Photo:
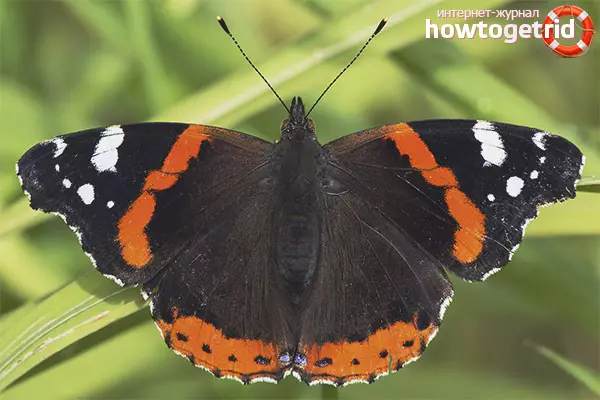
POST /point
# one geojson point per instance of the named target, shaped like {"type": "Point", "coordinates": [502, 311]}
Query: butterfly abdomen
{"type": "Point", "coordinates": [297, 215]}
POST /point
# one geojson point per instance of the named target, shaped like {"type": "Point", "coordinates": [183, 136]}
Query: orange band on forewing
{"type": "Point", "coordinates": [135, 245]}
{"type": "Point", "coordinates": [469, 237]}
{"type": "Point", "coordinates": [136, 249]}
{"type": "Point", "coordinates": [349, 361]}
{"type": "Point", "coordinates": [185, 148]}
{"type": "Point", "coordinates": [471, 221]}
{"type": "Point", "coordinates": [440, 176]}
{"type": "Point", "coordinates": [206, 346]}
{"type": "Point", "coordinates": [158, 180]}
{"type": "Point", "coordinates": [409, 143]}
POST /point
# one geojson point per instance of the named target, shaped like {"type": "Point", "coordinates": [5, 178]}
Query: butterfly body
{"type": "Point", "coordinates": [298, 166]}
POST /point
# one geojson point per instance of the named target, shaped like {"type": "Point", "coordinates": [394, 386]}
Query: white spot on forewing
{"type": "Point", "coordinates": [492, 148]}
{"type": "Point", "coordinates": [60, 146]}
{"type": "Point", "coordinates": [491, 197]}
{"type": "Point", "coordinates": [514, 184]}
{"type": "Point", "coordinates": [86, 193]}
{"type": "Point", "coordinates": [542, 160]}
{"type": "Point", "coordinates": [534, 174]}
{"type": "Point", "coordinates": [57, 168]}
{"type": "Point", "coordinates": [110, 204]}
{"type": "Point", "coordinates": [539, 139]}
{"type": "Point", "coordinates": [106, 154]}
{"type": "Point", "coordinates": [66, 183]}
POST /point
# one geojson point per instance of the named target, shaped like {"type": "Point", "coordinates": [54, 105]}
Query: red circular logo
{"type": "Point", "coordinates": [568, 11]}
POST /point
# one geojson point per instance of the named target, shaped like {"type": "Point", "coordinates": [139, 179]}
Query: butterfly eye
{"type": "Point", "coordinates": [285, 124]}
{"type": "Point", "coordinates": [311, 125]}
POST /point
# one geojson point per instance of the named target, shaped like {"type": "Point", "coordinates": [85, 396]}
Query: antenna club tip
{"type": "Point", "coordinates": [223, 24]}
{"type": "Point", "coordinates": [381, 25]}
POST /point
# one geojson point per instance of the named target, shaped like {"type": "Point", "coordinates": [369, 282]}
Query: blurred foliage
{"type": "Point", "coordinates": [71, 65]}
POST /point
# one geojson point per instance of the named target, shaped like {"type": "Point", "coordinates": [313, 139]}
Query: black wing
{"type": "Point", "coordinates": [473, 185]}
{"type": "Point", "coordinates": [180, 210]}
{"type": "Point", "coordinates": [403, 203]}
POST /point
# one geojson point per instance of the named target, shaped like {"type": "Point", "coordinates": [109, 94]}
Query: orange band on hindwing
{"type": "Point", "coordinates": [346, 362]}
{"type": "Point", "coordinates": [469, 237]}
{"type": "Point", "coordinates": [207, 347]}
{"type": "Point", "coordinates": [135, 245]}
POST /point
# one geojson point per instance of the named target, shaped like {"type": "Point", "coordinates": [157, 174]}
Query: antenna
{"type": "Point", "coordinates": [377, 30]}
{"type": "Point", "coordinates": [228, 32]}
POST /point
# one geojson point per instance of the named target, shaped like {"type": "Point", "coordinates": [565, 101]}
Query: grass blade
{"type": "Point", "coordinates": [40, 330]}
{"type": "Point", "coordinates": [589, 378]}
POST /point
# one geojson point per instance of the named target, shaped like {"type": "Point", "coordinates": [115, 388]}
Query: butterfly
{"type": "Point", "coordinates": [329, 262]}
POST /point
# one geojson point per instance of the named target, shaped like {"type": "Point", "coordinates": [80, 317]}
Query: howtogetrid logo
{"type": "Point", "coordinates": [550, 31]}
{"type": "Point", "coordinates": [572, 11]}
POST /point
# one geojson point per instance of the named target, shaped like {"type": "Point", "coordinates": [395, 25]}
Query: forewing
{"type": "Point", "coordinates": [464, 190]}
{"type": "Point", "coordinates": [105, 183]}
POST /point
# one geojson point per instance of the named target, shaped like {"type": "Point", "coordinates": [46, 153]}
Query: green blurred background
{"type": "Point", "coordinates": [71, 65]}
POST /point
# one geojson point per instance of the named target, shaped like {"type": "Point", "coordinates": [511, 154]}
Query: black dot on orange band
{"type": "Point", "coordinates": [408, 343]}
{"type": "Point", "coordinates": [206, 348]}
{"type": "Point", "coordinates": [355, 361]}
{"type": "Point", "coordinates": [232, 358]}
{"type": "Point", "coordinates": [182, 337]}
{"type": "Point", "coordinates": [383, 353]}
{"type": "Point", "coordinates": [217, 372]}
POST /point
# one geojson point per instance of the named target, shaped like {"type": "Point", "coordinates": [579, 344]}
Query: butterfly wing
{"type": "Point", "coordinates": [176, 209]}
{"type": "Point", "coordinates": [105, 183]}
{"type": "Point", "coordinates": [378, 296]}
{"type": "Point", "coordinates": [409, 190]}
{"type": "Point", "coordinates": [471, 225]}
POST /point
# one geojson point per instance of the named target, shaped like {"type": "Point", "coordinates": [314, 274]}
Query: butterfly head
{"type": "Point", "coordinates": [297, 126]}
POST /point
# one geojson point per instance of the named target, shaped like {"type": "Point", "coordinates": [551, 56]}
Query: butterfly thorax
{"type": "Point", "coordinates": [297, 220]}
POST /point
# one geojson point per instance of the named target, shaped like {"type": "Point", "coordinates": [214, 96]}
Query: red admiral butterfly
{"type": "Point", "coordinates": [326, 261]}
